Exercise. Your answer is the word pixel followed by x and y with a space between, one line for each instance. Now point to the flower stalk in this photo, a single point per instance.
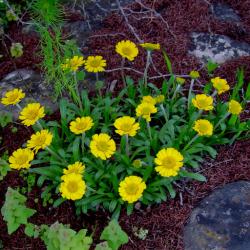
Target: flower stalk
pixel 221 120
pixel 145 75
pixel 164 112
pixel 190 92
pixel 127 145
pixel 83 138
pixel 190 142
pixel 149 131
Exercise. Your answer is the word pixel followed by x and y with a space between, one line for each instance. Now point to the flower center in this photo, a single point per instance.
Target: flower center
pixel 202 103
pixel 13 97
pixel 81 125
pixel 132 189
pixel 22 159
pixel 169 162
pixel 72 186
pixel 126 51
pixel 203 128
pixel 95 63
pixel 126 127
pixel 102 146
pixel 40 140
pixel 32 114
pixel 146 111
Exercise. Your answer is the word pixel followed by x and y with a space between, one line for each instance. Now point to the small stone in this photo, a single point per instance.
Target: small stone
pixel 224 12
pixel 218 48
pixel 221 221
pixel 32 84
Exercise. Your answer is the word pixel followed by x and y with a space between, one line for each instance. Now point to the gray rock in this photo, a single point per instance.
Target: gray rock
pixel 221 221
pixel 224 12
pixel 218 48
pixel 94 13
pixel 32 84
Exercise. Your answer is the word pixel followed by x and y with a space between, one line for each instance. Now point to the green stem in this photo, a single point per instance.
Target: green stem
pixel 149 131
pixel 54 154
pixel 122 72
pixel 18 106
pixel 190 92
pixel 164 112
pixel 97 80
pixel 221 120
pixel 127 145
pixel 39 124
pixel 176 91
pixel 83 138
pixel 190 142
pixel 77 91
pixel 145 75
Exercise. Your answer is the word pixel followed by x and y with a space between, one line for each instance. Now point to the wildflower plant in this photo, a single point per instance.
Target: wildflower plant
pixel 116 151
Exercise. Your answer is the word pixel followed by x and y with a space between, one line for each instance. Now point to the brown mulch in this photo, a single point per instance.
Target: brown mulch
pixel 165 222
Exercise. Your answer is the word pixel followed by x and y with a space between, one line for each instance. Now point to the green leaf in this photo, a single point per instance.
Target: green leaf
pixel 195 176
pixel 168 62
pixel 114 235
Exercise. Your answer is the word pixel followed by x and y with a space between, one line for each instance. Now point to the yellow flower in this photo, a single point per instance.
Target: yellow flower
pixel 131 188
pixel 126 125
pixel 72 187
pixel 194 74
pixel 151 46
pixel 40 140
pixel 203 127
pixel 168 162
pixel 234 107
pixel 73 64
pixel 81 124
pixel 13 97
pixel 76 168
pixel 21 158
pixel 159 98
pixel 127 49
pixel 95 64
pixel 220 85
pixel 145 110
pixel 203 102
pixel 102 146
pixel 149 99
pixel 180 80
pixel 31 114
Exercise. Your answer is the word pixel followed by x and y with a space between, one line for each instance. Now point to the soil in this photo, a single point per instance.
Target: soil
pixel 165 222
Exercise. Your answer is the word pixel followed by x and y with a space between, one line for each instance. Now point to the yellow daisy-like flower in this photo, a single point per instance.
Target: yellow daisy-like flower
pixel 13 97
pixel 73 187
pixel 220 85
pixel 145 110
pixel 102 146
pixel 95 64
pixel 203 127
pixel 131 188
pixel 151 46
pixel 73 64
pixel 76 168
pixel 203 102
pixel 168 162
pixel 40 140
pixel 180 80
pixel 21 158
pixel 194 74
pixel 81 125
pixel 148 99
pixel 31 114
pixel 126 125
pixel 234 107
pixel 159 99
pixel 127 49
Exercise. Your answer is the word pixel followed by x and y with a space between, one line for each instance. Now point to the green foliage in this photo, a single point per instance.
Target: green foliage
pixel 114 235
pixel 60 237
pixel 5 118
pixel 16 50
pixel 211 67
pixel 4 168
pixel 14 211
pixel 103 246
pixel 141 233
pixel 29 179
